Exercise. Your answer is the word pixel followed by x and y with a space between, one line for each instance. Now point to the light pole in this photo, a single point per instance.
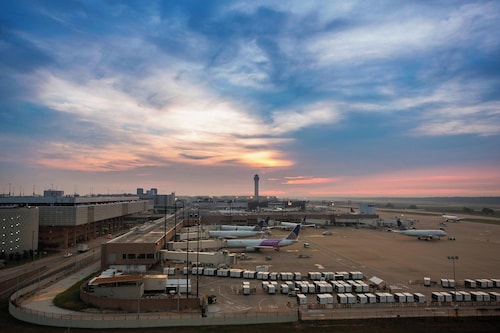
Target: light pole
pixel 453 258
pixel 175 220
pixel 165 225
pixel 197 253
pixel 187 259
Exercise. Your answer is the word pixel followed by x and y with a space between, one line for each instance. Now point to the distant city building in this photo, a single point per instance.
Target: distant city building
pixel 164 202
pixel 140 191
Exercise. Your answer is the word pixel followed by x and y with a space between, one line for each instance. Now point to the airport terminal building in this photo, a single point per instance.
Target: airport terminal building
pixel 64 221
pixel 18 229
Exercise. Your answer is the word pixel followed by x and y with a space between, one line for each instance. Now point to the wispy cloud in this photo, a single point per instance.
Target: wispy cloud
pixel 316 88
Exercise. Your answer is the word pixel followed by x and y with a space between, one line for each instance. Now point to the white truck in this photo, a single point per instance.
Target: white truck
pixel 83 248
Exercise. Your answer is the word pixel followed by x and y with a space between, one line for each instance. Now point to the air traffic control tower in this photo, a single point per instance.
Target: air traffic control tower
pixel 256 187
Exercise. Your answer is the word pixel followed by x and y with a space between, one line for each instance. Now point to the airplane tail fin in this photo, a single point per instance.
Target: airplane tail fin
pixel 295 232
pixel 400 225
pixel 304 220
pixel 259 226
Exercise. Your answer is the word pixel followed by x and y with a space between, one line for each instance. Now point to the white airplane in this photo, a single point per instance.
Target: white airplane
pixel 245 227
pixel 257 230
pixel 451 218
pixel 421 234
pixel 251 245
pixel 291 225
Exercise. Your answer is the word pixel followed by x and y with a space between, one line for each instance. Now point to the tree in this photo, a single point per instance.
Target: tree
pixel 487 211
pixel 468 210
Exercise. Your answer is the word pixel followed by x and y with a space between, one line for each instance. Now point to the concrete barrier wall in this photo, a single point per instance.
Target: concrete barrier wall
pixel 103 321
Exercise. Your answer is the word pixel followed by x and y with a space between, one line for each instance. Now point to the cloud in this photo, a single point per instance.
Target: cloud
pixel 305 88
pixel 186 128
pixel 308 180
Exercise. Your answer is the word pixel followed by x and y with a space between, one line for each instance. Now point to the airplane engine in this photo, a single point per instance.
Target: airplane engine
pixel 435 237
pixel 250 249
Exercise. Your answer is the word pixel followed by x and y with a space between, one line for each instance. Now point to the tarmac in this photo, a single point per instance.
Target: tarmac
pixel 400 261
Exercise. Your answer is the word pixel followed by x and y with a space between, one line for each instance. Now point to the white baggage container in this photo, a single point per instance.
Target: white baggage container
pixel 236 273
pixel 477 296
pixel 467 297
pixel 381 297
pixel 419 298
pixel 351 299
pixel 271 289
pixel 494 296
pixel 486 296
pixel 223 272
pixel 409 297
pixel 427 281
pixel 371 298
pixel 301 299
pixel 210 271
pixel 469 283
pixel 249 274
pixel 447 296
pixel 341 298
pixel 284 288
pixel 265 285
pixel 400 297
pixel 437 296
pixel 362 299
pixel 286 276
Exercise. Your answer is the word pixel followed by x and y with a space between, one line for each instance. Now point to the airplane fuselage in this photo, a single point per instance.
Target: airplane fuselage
pixel 451 218
pixel 423 234
pixel 236 227
pixel 234 233
pixel 259 243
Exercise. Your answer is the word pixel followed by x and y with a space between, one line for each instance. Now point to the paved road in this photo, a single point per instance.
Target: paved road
pixel 42 300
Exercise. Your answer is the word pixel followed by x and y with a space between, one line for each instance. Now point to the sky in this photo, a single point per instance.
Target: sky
pixel 319 98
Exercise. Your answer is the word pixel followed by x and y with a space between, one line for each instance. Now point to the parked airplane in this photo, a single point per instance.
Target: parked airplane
pixel 251 245
pixel 421 234
pixel 291 225
pixel 237 233
pixel 353 212
pixel 451 218
pixel 245 227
